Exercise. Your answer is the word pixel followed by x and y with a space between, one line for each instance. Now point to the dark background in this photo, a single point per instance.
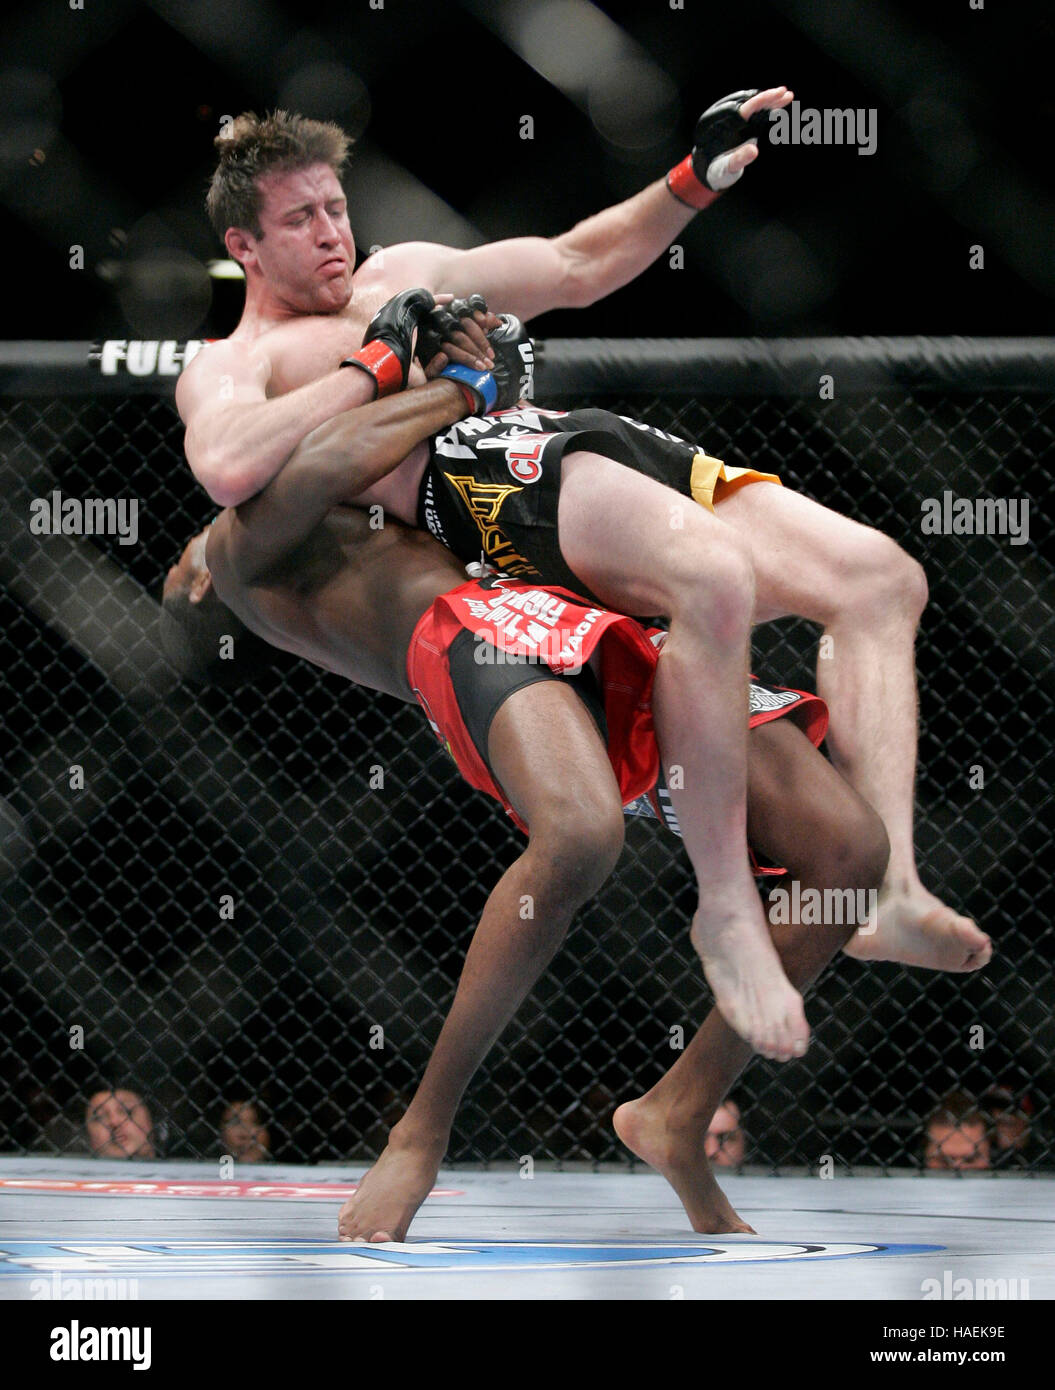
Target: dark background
pixel 123 101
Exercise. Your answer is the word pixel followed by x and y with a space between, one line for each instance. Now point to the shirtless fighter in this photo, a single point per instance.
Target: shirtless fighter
pixel 391 609
pixel 247 402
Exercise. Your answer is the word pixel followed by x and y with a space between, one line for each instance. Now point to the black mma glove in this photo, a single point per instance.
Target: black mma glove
pixel 719 131
pixel 511 377
pixel 514 368
pixel 443 322
pixel 387 347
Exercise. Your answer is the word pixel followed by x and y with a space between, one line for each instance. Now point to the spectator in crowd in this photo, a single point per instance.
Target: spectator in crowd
pixel 118 1125
pixel 724 1145
pixel 957 1134
pixel 243 1134
pixel 1010 1125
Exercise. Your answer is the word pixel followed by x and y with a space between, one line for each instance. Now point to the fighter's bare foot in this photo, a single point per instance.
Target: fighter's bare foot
pixel 916 928
pixel 750 988
pixel 390 1194
pixel 681 1157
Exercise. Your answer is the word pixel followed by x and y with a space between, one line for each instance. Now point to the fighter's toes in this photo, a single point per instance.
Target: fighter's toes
pixel 976 959
pixel 968 946
pixel 786 1037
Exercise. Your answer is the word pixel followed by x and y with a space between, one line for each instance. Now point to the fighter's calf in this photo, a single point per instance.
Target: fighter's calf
pixel 803 815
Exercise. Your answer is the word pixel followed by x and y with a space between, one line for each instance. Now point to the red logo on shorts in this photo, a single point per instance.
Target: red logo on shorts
pixel 525 457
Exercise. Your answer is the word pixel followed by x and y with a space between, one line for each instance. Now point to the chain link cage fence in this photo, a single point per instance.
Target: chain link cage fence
pixel 205 900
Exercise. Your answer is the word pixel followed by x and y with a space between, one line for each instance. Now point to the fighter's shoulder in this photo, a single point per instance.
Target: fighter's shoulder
pixel 409 262
pixel 239 357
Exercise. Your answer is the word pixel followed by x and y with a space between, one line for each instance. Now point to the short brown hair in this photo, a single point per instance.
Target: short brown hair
pixel 957 1109
pixel 252 147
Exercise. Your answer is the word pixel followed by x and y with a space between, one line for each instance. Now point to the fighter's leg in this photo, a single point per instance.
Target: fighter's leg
pixel 868 595
pixel 547 755
pixel 803 815
pixel 637 546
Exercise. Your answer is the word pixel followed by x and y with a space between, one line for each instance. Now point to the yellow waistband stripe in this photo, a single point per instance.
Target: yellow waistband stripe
pixel 710 480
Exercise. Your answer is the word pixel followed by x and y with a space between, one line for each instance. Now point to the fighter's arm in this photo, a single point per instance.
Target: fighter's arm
pixel 332 464
pixel 237 438
pixel 529 275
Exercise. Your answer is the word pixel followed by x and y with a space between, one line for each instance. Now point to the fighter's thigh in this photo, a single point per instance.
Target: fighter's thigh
pixel 804 555
pixel 548 756
pixel 801 813
pixel 636 543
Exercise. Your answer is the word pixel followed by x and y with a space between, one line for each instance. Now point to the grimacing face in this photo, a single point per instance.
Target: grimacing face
pixel 305 257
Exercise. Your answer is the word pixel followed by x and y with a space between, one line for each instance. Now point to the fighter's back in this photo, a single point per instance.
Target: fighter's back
pixel 348 598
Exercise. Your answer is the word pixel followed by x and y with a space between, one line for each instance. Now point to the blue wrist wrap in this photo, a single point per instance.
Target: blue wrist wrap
pixel 483 382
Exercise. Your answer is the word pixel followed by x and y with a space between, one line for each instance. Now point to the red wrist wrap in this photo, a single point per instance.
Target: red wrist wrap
pixel 383 365
pixel 686 187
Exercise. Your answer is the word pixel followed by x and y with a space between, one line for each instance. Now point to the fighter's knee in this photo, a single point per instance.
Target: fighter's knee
pixel 855 849
pixel 874 850
pixel 869 852
pixel 912 584
pixel 883 580
pixel 578 850
pixel 900 580
pixel 585 862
